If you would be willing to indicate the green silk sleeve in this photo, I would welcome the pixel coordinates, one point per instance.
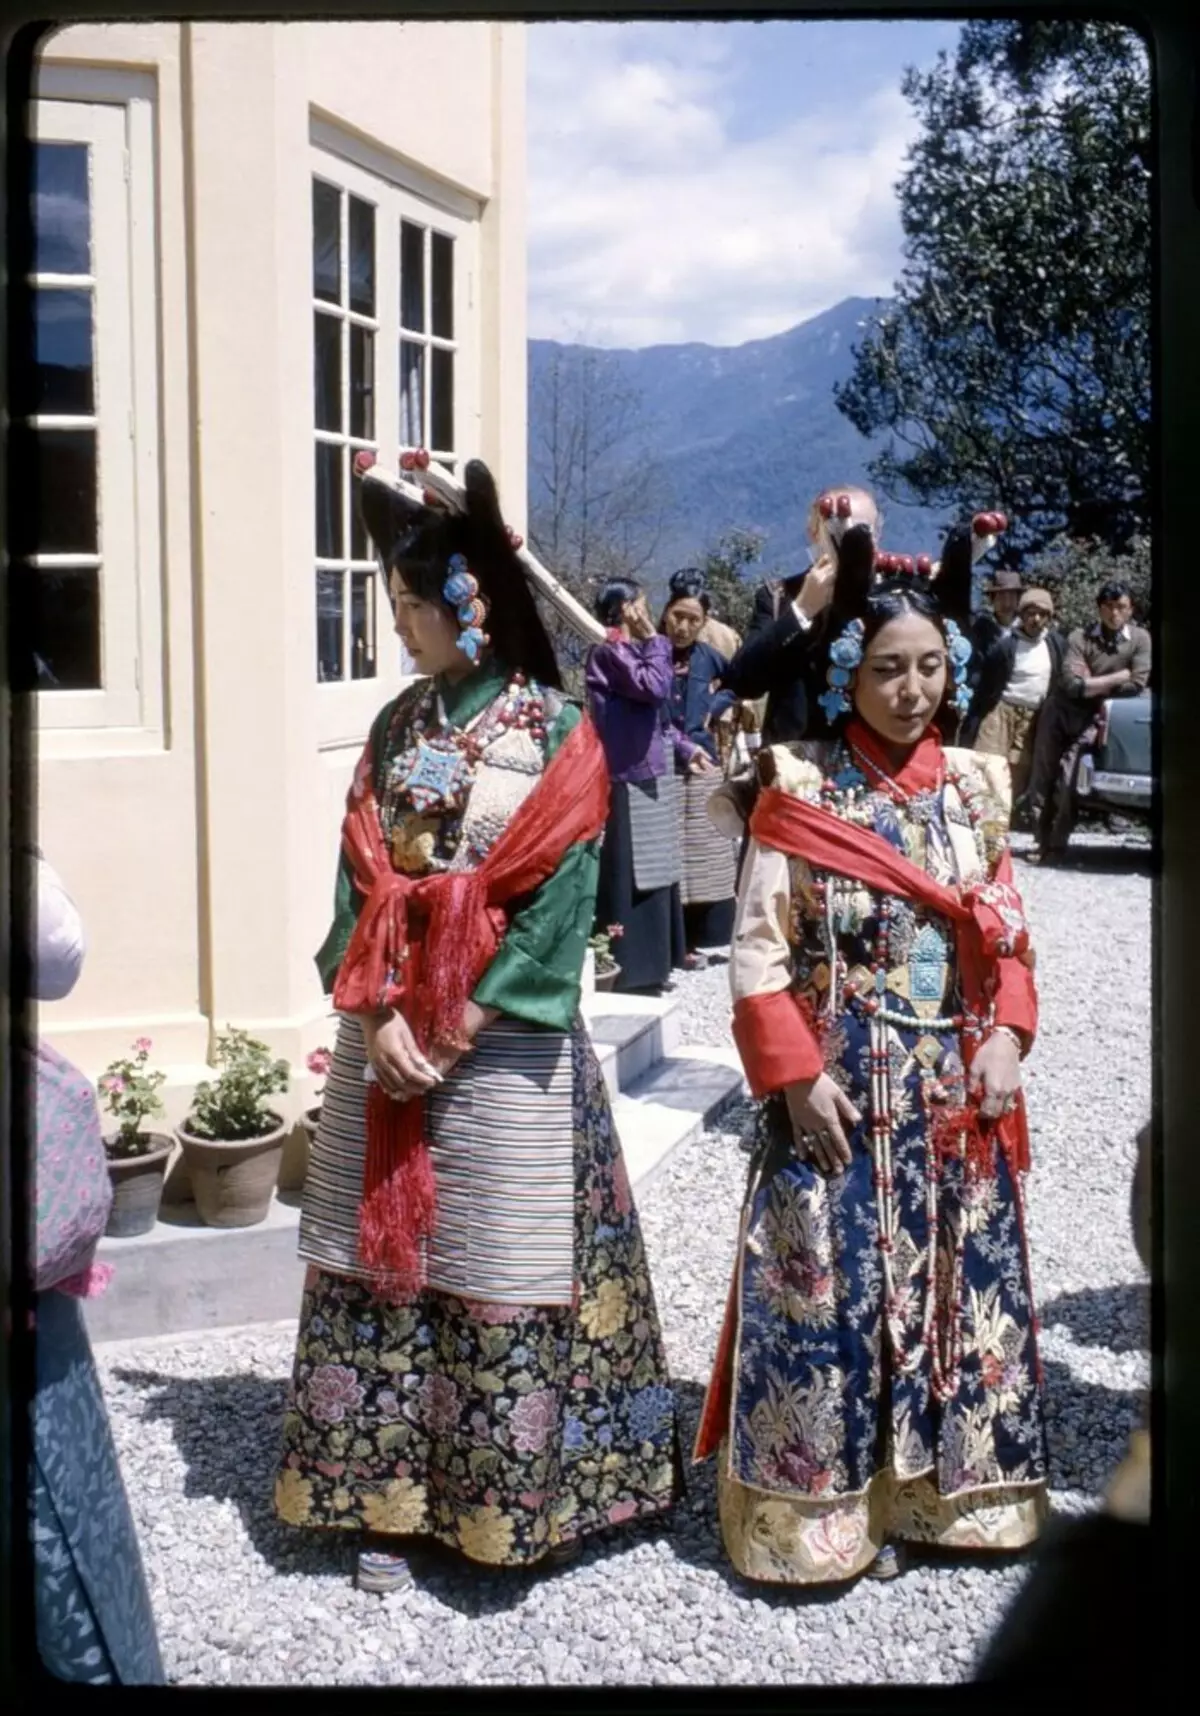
(347, 901)
(535, 975)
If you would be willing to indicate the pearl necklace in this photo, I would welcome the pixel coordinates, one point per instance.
(944, 1344)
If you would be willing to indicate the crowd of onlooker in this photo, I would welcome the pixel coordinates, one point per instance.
(682, 703)
(1037, 694)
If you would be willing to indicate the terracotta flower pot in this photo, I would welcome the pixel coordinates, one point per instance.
(606, 980)
(137, 1184)
(297, 1151)
(233, 1180)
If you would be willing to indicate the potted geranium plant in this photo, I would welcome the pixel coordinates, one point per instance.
(232, 1142)
(137, 1159)
(606, 967)
(297, 1151)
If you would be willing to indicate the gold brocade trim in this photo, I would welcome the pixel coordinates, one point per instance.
(795, 1540)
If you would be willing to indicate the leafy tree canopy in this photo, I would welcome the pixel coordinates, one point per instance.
(1012, 366)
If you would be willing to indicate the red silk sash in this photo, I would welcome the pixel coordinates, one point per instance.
(988, 917)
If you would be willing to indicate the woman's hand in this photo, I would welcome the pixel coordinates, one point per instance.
(816, 591)
(995, 1076)
(444, 1056)
(701, 764)
(402, 1070)
(821, 1116)
(637, 617)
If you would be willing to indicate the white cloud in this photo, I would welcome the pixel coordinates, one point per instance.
(654, 218)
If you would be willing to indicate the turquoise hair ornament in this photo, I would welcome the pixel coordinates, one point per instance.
(845, 655)
(461, 591)
(471, 642)
(958, 647)
(460, 586)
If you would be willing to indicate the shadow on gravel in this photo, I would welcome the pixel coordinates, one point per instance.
(228, 1430)
(1116, 1318)
(1088, 1427)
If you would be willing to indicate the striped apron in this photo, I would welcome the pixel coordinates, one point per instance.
(709, 857)
(654, 828)
(501, 1131)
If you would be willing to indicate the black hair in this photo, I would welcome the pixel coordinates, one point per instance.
(613, 599)
(688, 585)
(417, 540)
(1113, 591)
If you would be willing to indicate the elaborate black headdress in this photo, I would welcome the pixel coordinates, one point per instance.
(450, 544)
(862, 570)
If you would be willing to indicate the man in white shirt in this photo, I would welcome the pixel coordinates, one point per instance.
(1022, 669)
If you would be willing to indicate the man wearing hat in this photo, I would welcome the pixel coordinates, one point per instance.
(988, 630)
(1015, 679)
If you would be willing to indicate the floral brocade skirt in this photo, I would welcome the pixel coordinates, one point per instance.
(835, 1437)
(498, 1430)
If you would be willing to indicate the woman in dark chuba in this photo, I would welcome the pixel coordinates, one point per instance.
(878, 1379)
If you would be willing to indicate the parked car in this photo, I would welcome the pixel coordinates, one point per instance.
(1117, 773)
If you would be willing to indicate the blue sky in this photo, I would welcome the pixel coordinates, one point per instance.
(717, 181)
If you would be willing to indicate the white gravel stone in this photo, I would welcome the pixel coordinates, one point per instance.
(242, 1600)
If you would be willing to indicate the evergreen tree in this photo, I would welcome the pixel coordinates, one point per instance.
(1012, 365)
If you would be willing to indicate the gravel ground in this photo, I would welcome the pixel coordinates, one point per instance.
(240, 1599)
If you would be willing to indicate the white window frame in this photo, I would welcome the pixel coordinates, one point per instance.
(397, 191)
(113, 112)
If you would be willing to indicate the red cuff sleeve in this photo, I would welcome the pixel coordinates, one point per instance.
(1016, 999)
(775, 1041)
(1016, 991)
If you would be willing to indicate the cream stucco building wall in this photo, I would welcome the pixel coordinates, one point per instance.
(199, 838)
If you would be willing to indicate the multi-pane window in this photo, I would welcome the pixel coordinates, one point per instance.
(76, 540)
(345, 331)
(388, 305)
(427, 340)
(66, 561)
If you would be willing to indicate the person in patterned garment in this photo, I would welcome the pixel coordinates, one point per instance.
(479, 1361)
(877, 1379)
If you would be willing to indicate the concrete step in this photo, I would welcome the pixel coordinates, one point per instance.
(672, 1103)
(630, 1033)
(184, 1276)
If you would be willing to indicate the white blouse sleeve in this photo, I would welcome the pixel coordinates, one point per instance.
(760, 960)
(60, 939)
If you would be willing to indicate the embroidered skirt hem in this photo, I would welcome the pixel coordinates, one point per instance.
(796, 1540)
(498, 1429)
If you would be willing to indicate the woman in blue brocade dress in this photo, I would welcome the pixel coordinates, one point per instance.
(878, 1379)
